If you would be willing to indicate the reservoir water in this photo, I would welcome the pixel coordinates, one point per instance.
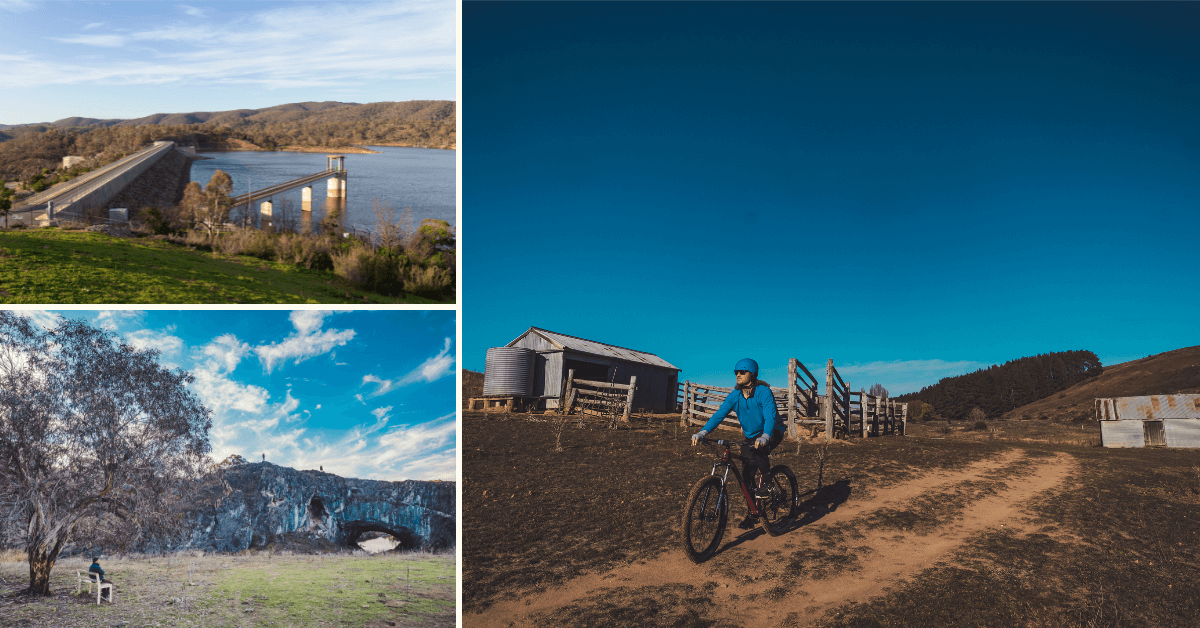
(423, 179)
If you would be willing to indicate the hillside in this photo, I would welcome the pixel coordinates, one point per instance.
(1175, 371)
(472, 385)
(30, 149)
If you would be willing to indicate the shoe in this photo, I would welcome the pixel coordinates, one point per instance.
(764, 491)
(748, 523)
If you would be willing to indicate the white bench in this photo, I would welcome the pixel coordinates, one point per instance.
(93, 578)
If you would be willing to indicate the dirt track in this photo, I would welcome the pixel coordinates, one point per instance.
(861, 547)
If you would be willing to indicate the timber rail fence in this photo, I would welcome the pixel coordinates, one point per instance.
(839, 412)
(603, 399)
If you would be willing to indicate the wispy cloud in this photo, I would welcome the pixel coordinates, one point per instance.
(93, 25)
(104, 41)
(41, 318)
(17, 6)
(307, 342)
(360, 42)
(905, 376)
(192, 11)
(430, 370)
(165, 341)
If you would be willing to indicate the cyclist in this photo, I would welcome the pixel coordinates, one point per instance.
(755, 408)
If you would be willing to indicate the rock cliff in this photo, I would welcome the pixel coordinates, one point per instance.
(257, 504)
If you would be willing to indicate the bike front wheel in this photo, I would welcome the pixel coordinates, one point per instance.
(704, 518)
(777, 510)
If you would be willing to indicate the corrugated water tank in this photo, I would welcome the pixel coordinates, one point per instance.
(509, 371)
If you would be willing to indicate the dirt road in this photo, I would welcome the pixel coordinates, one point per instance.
(836, 554)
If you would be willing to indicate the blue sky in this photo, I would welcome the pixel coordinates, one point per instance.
(913, 190)
(129, 59)
(367, 394)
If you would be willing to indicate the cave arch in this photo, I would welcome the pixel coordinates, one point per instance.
(351, 530)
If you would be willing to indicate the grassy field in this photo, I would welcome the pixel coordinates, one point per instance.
(59, 266)
(1026, 523)
(262, 589)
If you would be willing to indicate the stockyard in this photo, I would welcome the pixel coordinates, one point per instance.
(1025, 521)
(250, 588)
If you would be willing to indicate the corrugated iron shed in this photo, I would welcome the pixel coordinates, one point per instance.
(563, 341)
(1170, 420)
(1151, 408)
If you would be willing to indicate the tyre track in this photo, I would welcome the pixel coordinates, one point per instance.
(884, 557)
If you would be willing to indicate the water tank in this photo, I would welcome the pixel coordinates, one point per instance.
(509, 371)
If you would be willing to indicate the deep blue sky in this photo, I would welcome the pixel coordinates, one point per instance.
(912, 190)
(368, 394)
(128, 59)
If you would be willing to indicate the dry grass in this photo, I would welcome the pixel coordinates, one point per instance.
(246, 589)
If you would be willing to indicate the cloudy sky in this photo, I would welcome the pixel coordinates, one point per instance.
(129, 59)
(366, 394)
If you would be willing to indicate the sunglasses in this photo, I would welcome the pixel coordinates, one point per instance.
(741, 372)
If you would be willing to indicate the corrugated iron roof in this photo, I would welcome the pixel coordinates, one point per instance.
(592, 347)
(1152, 407)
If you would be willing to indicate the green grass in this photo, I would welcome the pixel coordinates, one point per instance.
(51, 265)
(243, 590)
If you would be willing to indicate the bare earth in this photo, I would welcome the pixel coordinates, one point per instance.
(999, 486)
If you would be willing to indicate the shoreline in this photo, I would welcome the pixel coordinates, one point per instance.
(316, 149)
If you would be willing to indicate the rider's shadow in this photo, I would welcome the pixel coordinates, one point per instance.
(820, 502)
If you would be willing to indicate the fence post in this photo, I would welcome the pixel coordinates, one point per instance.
(564, 406)
(629, 399)
(791, 417)
(904, 418)
(846, 407)
(827, 407)
(683, 415)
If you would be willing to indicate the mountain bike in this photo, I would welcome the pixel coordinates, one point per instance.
(707, 509)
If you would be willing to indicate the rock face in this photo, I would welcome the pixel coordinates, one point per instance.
(260, 503)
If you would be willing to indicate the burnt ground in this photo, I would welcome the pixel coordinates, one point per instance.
(900, 531)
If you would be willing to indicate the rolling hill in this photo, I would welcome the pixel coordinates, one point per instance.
(1175, 371)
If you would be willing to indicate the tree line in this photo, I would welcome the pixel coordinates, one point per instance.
(998, 389)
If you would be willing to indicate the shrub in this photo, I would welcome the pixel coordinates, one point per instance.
(980, 426)
(158, 223)
(431, 239)
(305, 251)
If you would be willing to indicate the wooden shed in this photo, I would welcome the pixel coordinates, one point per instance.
(657, 379)
(1156, 420)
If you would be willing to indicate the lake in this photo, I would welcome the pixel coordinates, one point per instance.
(423, 179)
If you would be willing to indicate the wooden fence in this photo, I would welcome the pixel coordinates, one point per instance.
(840, 412)
(603, 399)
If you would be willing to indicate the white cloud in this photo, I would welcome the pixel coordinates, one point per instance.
(192, 11)
(103, 41)
(93, 25)
(166, 342)
(41, 318)
(430, 370)
(307, 342)
(111, 320)
(379, 412)
(227, 351)
(318, 406)
(17, 6)
(360, 43)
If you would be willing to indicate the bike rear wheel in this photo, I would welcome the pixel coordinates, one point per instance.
(777, 510)
(704, 518)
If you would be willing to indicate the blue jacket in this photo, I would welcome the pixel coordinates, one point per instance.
(757, 414)
(95, 568)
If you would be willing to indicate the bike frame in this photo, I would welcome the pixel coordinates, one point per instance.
(726, 460)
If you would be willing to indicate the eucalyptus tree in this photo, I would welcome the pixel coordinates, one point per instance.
(98, 441)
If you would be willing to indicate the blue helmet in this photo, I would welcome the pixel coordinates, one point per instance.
(746, 364)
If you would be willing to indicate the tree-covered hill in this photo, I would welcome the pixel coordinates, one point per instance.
(27, 150)
(999, 389)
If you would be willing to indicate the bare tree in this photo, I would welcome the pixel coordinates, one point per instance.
(97, 440)
(878, 391)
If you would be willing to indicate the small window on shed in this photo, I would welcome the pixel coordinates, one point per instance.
(1154, 433)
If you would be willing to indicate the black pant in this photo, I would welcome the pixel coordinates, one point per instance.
(757, 458)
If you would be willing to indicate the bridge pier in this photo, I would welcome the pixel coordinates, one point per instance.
(266, 208)
(337, 187)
